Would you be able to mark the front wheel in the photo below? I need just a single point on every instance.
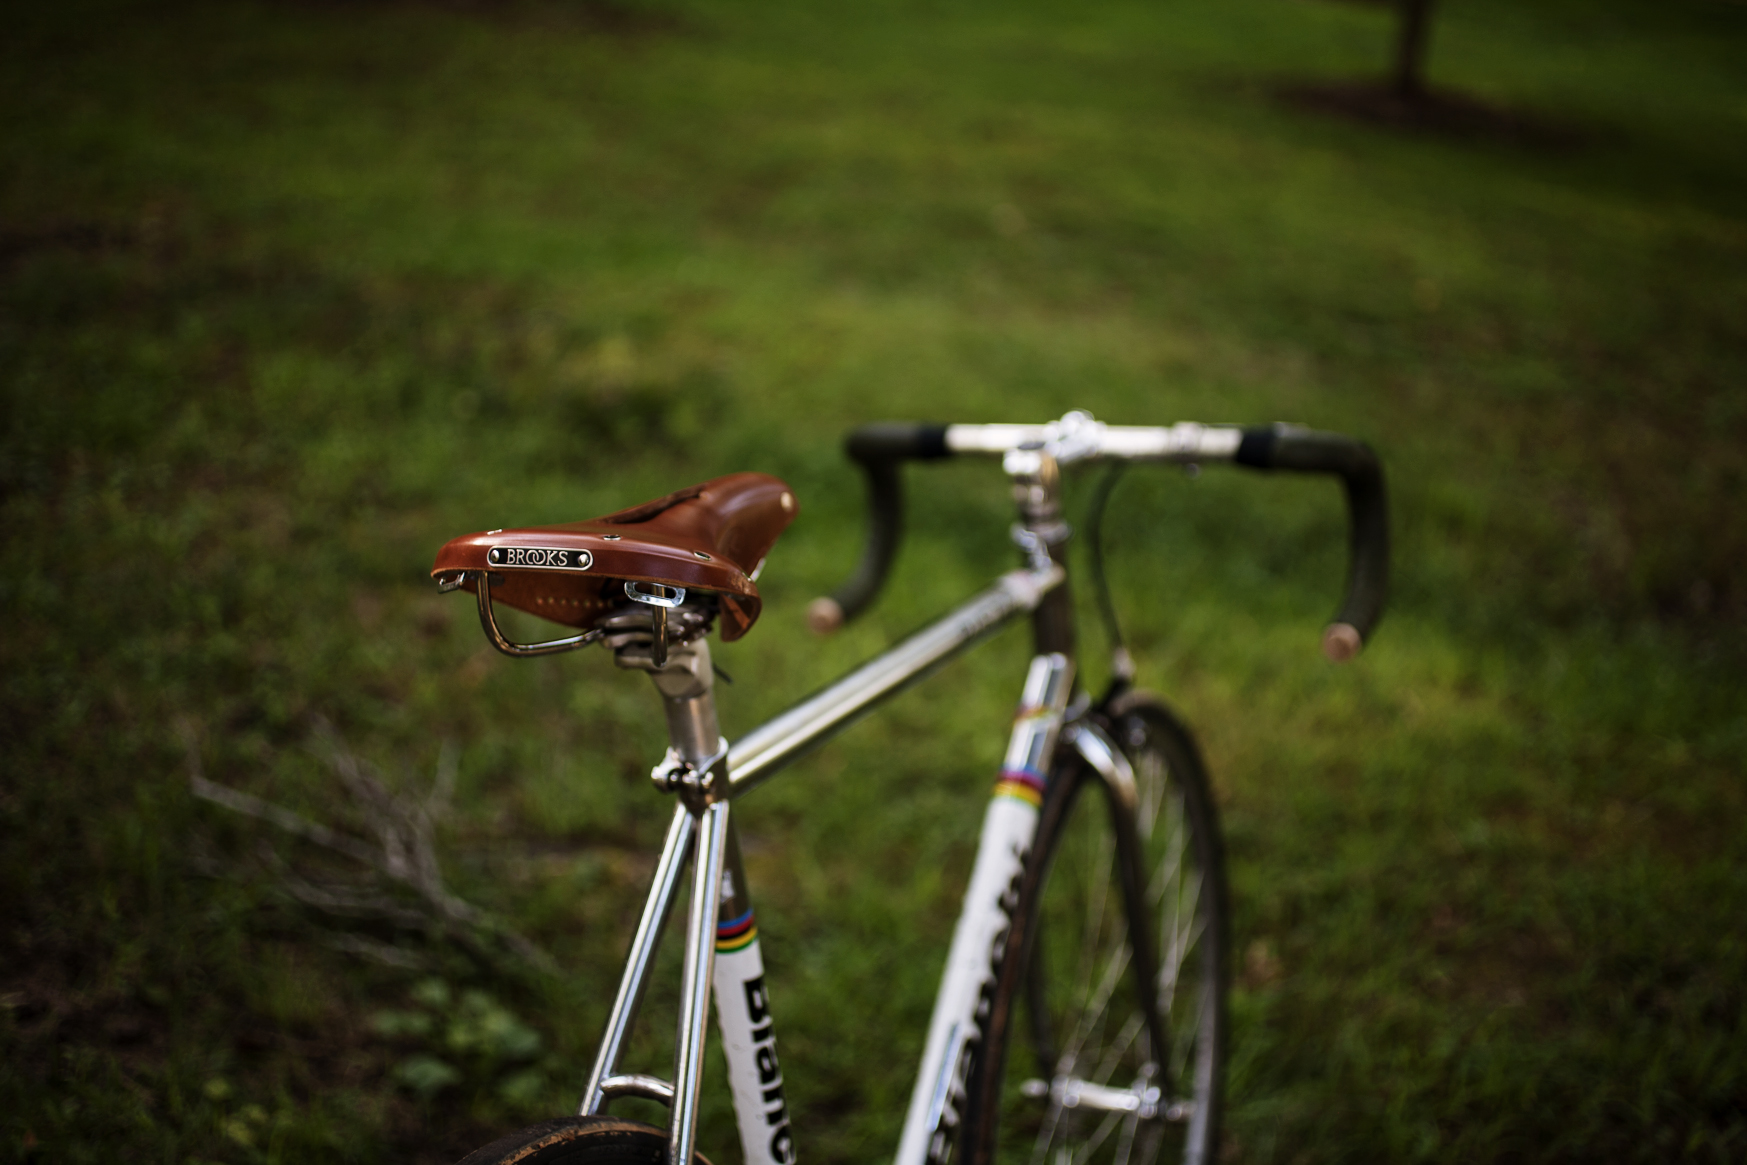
(1072, 1075)
(579, 1140)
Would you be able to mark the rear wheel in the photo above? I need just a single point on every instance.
(579, 1140)
(1070, 1074)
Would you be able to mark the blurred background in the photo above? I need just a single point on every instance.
(293, 292)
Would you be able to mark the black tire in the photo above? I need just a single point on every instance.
(579, 1140)
(1067, 957)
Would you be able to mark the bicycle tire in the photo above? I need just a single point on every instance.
(1081, 998)
(579, 1140)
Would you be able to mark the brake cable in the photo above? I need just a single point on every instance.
(1121, 663)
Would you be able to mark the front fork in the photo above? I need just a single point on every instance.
(1122, 795)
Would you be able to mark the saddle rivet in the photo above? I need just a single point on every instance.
(612, 537)
(701, 555)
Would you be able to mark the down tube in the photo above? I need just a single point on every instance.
(748, 1033)
(955, 1032)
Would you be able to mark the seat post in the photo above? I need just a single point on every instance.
(686, 682)
(688, 698)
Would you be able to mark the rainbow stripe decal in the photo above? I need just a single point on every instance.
(736, 934)
(1021, 785)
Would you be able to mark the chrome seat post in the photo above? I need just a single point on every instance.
(642, 640)
(688, 700)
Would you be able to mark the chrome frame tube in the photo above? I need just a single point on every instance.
(635, 979)
(700, 961)
(757, 756)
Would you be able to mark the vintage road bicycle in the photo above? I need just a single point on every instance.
(1081, 1016)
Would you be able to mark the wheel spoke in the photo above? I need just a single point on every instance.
(1118, 1048)
(1181, 940)
(1125, 1145)
(1102, 1134)
(1046, 1138)
(1097, 882)
(1096, 1005)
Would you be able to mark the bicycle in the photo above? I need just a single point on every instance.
(1100, 920)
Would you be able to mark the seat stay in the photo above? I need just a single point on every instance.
(663, 891)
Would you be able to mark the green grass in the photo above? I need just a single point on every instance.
(292, 293)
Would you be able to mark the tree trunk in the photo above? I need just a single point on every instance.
(1410, 48)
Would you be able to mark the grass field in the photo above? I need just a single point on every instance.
(291, 293)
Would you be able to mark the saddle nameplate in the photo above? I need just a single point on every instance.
(539, 558)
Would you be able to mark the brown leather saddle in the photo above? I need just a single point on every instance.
(711, 537)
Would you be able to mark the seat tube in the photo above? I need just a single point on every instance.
(743, 1013)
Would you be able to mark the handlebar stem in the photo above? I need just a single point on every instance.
(1042, 535)
(1037, 490)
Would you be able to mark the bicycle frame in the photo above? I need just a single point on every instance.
(727, 959)
(722, 953)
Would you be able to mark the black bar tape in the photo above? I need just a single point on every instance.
(897, 441)
(880, 449)
(1310, 451)
(1256, 449)
(885, 530)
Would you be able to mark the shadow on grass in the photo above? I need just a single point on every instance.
(609, 17)
(1438, 113)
